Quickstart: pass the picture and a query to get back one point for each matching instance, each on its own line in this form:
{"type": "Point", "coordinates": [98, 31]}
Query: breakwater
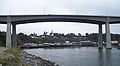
{"type": "Point", "coordinates": [55, 46]}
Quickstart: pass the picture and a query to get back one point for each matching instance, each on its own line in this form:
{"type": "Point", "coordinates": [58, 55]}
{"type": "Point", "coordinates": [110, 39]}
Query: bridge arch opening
{"type": "Point", "coordinates": [60, 27]}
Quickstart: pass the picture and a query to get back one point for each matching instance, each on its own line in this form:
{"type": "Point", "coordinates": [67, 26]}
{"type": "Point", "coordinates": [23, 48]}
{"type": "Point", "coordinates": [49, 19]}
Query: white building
{"type": "Point", "coordinates": [114, 42]}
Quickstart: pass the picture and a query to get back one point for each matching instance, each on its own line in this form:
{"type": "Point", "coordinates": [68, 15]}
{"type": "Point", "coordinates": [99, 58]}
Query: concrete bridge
{"type": "Point", "coordinates": [22, 19]}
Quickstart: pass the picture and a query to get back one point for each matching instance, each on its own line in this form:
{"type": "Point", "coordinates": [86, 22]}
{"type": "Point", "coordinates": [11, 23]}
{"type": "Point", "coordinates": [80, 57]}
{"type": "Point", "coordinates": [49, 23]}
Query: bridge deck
{"type": "Point", "coordinates": [21, 19]}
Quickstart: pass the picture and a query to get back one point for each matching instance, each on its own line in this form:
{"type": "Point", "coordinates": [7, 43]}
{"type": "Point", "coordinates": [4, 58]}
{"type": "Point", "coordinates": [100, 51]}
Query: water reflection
{"type": "Point", "coordinates": [104, 61]}
{"type": "Point", "coordinates": [101, 57]}
{"type": "Point", "coordinates": [108, 57]}
{"type": "Point", "coordinates": [72, 47]}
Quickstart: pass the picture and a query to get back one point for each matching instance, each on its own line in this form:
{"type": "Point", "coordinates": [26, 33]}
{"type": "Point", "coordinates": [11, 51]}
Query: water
{"type": "Point", "coordinates": [84, 56]}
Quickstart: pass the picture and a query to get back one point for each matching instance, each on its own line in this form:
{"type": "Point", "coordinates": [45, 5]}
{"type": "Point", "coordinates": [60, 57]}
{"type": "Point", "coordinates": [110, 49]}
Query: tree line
{"type": "Point", "coordinates": [56, 37]}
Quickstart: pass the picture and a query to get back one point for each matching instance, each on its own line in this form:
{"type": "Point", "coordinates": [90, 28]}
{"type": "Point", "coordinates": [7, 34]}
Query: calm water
{"type": "Point", "coordinates": [83, 56]}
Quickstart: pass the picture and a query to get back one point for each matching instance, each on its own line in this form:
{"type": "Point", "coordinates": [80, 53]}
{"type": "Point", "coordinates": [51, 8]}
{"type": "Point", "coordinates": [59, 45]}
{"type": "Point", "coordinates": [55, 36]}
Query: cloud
{"type": "Point", "coordinates": [79, 7]}
{"type": "Point", "coordinates": [96, 7]}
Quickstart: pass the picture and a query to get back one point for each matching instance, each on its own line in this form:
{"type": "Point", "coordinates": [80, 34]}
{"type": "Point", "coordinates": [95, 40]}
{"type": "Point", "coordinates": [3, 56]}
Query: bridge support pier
{"type": "Point", "coordinates": [108, 36]}
{"type": "Point", "coordinates": [14, 38]}
{"type": "Point", "coordinates": [8, 33]}
{"type": "Point", "coordinates": [100, 42]}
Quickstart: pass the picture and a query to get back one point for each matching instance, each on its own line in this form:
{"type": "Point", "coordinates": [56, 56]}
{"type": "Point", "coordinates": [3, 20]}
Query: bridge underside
{"type": "Point", "coordinates": [23, 19]}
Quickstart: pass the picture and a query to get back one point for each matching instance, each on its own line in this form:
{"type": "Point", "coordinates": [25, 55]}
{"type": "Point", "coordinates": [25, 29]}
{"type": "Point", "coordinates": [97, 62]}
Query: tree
{"type": "Point", "coordinates": [79, 34]}
{"type": "Point", "coordinates": [87, 34]}
{"type": "Point", "coordinates": [2, 38]}
{"type": "Point", "coordinates": [45, 33]}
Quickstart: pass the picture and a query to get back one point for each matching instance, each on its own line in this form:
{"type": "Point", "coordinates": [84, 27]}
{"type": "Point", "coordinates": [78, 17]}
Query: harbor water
{"type": "Point", "coordinates": [82, 56]}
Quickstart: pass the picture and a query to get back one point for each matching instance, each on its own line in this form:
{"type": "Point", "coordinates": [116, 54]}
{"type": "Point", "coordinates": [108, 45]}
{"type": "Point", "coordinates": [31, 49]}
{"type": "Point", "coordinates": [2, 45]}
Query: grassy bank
{"type": "Point", "coordinates": [11, 57]}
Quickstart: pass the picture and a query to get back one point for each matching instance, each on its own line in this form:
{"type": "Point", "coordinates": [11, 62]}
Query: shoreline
{"type": "Point", "coordinates": [57, 46]}
{"type": "Point", "coordinates": [18, 57]}
{"type": "Point", "coordinates": [35, 60]}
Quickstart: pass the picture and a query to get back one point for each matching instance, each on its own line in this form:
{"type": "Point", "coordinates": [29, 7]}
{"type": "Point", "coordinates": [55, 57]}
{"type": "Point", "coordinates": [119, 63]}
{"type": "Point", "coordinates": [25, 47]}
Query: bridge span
{"type": "Point", "coordinates": [23, 19]}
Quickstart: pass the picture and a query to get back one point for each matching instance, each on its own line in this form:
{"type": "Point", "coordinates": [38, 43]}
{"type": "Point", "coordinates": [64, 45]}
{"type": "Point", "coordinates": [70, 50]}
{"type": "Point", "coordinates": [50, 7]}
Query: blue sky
{"type": "Point", "coordinates": [73, 7]}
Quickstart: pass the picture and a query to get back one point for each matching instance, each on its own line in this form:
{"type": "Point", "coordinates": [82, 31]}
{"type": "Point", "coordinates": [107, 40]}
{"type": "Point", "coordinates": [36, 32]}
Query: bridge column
{"type": "Point", "coordinates": [100, 42]}
{"type": "Point", "coordinates": [108, 36]}
{"type": "Point", "coordinates": [8, 33]}
{"type": "Point", "coordinates": [14, 38]}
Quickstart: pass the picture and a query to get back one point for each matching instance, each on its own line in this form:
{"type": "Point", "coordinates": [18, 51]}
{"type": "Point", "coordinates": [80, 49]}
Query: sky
{"type": "Point", "coordinates": [60, 7]}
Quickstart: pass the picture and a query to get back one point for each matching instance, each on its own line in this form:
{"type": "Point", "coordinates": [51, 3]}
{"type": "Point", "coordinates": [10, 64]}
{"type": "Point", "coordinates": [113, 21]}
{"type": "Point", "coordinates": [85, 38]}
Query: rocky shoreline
{"type": "Point", "coordinates": [33, 60]}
